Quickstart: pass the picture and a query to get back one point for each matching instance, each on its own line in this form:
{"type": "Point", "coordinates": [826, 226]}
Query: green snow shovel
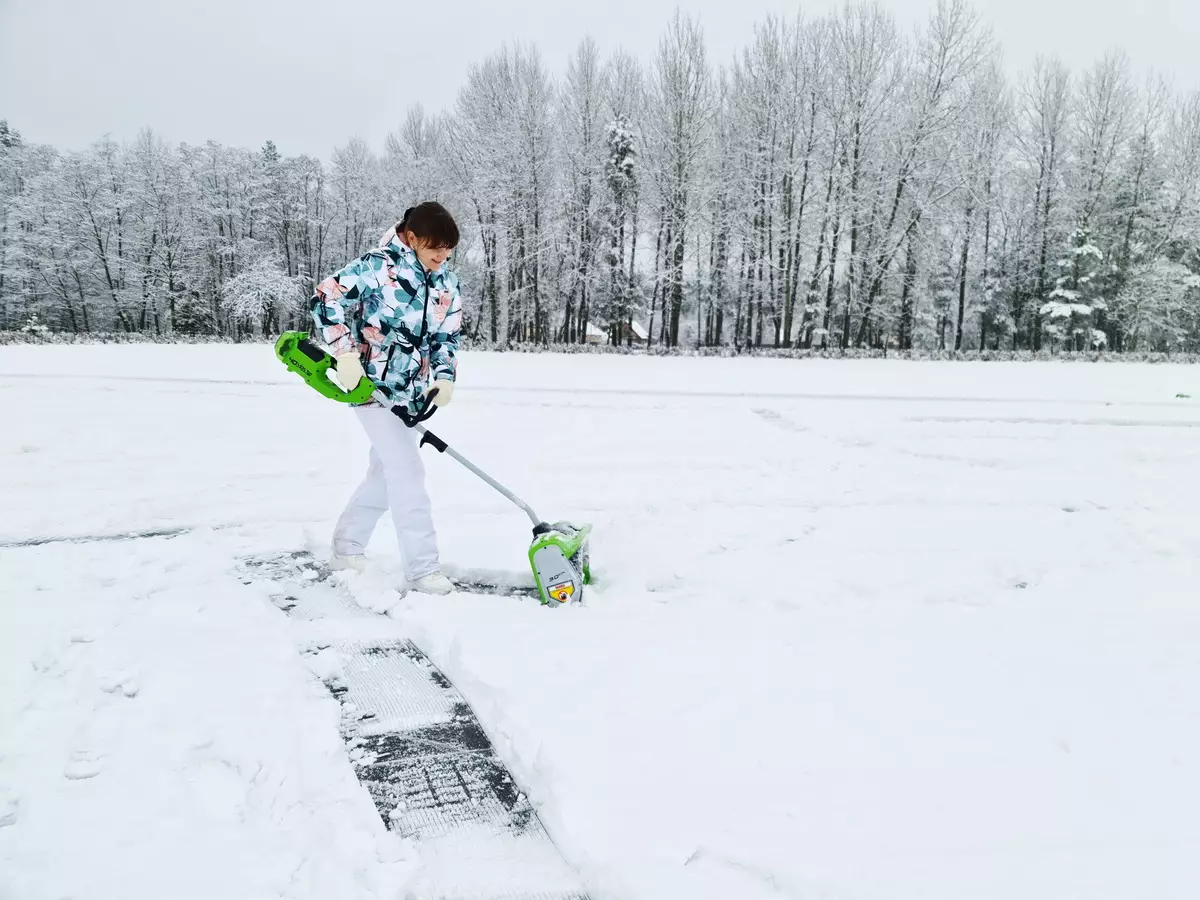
{"type": "Point", "coordinates": [559, 554]}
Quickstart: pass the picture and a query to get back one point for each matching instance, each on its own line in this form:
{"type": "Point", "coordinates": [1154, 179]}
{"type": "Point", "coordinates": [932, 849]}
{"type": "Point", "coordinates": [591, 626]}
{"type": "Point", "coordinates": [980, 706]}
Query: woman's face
{"type": "Point", "coordinates": [432, 258]}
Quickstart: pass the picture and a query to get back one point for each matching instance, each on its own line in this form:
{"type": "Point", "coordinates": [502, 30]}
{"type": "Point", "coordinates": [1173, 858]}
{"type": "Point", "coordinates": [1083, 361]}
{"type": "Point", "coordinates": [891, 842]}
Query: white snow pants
{"type": "Point", "coordinates": [395, 479]}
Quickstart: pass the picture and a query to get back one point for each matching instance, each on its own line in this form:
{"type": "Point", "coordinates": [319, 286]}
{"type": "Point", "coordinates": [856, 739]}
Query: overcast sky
{"type": "Point", "coordinates": [310, 74]}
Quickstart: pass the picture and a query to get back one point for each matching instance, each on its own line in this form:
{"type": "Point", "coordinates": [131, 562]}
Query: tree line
{"type": "Point", "coordinates": [839, 183]}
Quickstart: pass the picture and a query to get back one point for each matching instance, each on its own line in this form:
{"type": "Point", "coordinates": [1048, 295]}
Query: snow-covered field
{"type": "Point", "coordinates": [881, 630]}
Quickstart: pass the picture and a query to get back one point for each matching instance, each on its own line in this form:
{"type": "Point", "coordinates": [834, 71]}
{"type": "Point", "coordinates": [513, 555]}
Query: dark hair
{"type": "Point", "coordinates": [432, 223]}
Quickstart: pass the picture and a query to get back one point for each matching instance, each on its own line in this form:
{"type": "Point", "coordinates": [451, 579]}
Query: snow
{"type": "Point", "coordinates": [869, 629]}
{"type": "Point", "coordinates": [182, 751]}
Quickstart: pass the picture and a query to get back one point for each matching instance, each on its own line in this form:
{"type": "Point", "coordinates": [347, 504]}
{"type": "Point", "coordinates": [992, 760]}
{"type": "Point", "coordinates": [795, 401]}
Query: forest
{"type": "Point", "coordinates": [842, 183]}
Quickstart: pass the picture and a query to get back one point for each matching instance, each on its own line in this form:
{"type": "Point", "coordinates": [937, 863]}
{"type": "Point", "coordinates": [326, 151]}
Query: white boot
{"type": "Point", "coordinates": [433, 583]}
{"type": "Point", "coordinates": [355, 562]}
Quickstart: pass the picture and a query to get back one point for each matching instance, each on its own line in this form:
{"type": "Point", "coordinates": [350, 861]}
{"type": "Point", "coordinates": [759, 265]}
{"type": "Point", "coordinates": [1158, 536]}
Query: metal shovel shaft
{"type": "Point", "coordinates": [428, 437]}
{"type": "Point", "coordinates": [442, 447]}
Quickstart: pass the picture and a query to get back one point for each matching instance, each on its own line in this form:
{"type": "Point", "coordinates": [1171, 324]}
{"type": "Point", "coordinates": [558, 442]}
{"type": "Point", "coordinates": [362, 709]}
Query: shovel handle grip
{"type": "Point", "coordinates": [313, 352]}
{"type": "Point", "coordinates": [426, 411]}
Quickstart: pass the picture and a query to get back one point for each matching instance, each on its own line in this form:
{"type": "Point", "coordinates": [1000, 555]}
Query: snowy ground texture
{"type": "Point", "coordinates": [864, 631]}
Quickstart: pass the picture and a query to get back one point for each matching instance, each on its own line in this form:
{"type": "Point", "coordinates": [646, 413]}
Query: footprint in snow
{"type": "Point", "coordinates": [9, 804]}
{"type": "Point", "coordinates": [83, 764]}
{"type": "Point", "coordinates": [48, 663]}
{"type": "Point", "coordinates": [125, 682]}
{"type": "Point", "coordinates": [780, 421]}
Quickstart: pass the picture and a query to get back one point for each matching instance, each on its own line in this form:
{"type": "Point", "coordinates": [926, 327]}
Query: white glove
{"type": "Point", "coordinates": [349, 370]}
{"type": "Point", "coordinates": [445, 391]}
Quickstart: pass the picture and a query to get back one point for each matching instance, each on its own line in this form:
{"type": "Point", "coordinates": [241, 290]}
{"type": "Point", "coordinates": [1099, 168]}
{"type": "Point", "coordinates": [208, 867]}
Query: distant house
{"type": "Point", "coordinates": [596, 335]}
{"type": "Point", "coordinates": [638, 331]}
{"type": "Point", "coordinates": [601, 334]}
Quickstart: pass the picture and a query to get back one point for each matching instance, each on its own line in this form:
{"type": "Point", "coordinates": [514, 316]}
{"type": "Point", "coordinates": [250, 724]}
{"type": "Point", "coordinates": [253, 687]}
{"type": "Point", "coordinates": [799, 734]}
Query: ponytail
{"type": "Point", "coordinates": [432, 223]}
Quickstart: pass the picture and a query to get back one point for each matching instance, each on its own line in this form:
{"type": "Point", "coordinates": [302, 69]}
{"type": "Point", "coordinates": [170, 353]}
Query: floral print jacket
{"type": "Point", "coordinates": [403, 320]}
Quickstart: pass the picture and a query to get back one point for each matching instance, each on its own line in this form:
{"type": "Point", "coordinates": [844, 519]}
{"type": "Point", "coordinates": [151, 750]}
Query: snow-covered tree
{"type": "Point", "coordinates": [264, 295]}
{"type": "Point", "coordinates": [676, 130]}
{"type": "Point", "coordinates": [1045, 111]}
{"type": "Point", "coordinates": [584, 148]}
{"type": "Point", "coordinates": [1070, 313]}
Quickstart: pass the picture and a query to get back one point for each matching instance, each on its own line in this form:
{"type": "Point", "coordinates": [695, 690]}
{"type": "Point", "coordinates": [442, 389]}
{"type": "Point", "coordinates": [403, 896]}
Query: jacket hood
{"type": "Point", "coordinates": [392, 244]}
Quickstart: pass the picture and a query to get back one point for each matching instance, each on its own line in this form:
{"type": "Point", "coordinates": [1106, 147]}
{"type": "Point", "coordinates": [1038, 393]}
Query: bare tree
{"type": "Point", "coordinates": [678, 124]}
{"type": "Point", "coordinates": [583, 144]}
{"type": "Point", "coordinates": [868, 68]}
{"type": "Point", "coordinates": [1045, 113]}
{"type": "Point", "coordinates": [837, 181]}
{"type": "Point", "coordinates": [983, 135]}
{"type": "Point", "coordinates": [949, 53]}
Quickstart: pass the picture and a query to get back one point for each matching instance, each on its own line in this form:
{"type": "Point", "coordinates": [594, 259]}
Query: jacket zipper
{"type": "Point", "coordinates": [387, 367]}
{"type": "Point", "coordinates": [424, 315]}
{"type": "Point", "coordinates": [424, 319]}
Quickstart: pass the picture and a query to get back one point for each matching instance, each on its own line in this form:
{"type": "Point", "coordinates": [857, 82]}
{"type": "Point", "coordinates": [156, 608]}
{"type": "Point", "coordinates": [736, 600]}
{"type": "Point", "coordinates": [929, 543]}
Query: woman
{"type": "Point", "coordinates": [393, 316]}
